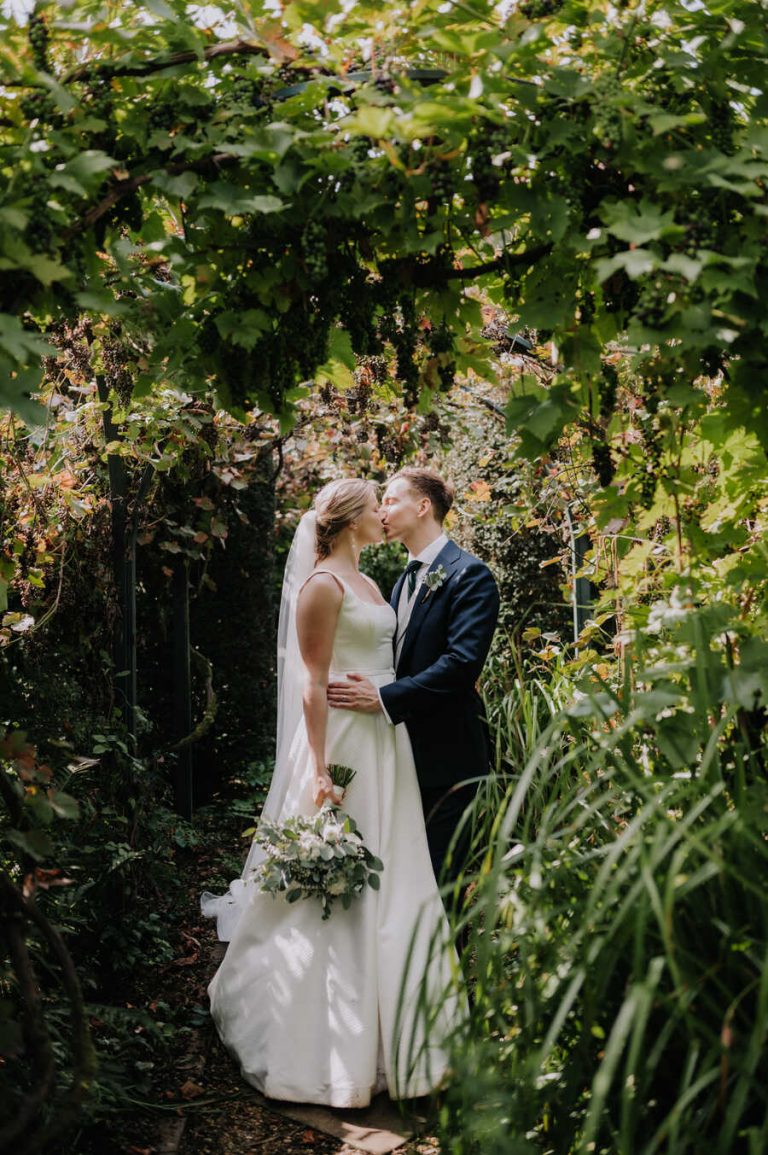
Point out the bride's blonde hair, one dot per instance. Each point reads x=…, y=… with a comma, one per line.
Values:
x=336, y=505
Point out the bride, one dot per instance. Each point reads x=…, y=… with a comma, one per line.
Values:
x=333, y=1011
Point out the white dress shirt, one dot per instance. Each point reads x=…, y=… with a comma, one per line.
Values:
x=405, y=604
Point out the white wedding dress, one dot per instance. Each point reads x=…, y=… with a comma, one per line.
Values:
x=333, y=1011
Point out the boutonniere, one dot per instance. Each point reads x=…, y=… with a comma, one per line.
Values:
x=433, y=580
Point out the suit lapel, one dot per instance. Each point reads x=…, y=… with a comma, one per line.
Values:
x=394, y=601
x=448, y=557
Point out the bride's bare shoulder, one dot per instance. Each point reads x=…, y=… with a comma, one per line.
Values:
x=322, y=586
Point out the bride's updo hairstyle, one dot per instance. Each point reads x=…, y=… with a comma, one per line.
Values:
x=337, y=505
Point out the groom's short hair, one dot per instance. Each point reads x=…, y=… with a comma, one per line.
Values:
x=429, y=484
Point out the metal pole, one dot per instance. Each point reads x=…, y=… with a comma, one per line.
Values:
x=182, y=689
x=580, y=591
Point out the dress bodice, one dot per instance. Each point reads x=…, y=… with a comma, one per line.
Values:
x=364, y=634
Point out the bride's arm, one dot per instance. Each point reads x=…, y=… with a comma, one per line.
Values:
x=317, y=613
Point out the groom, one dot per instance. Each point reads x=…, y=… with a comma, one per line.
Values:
x=447, y=604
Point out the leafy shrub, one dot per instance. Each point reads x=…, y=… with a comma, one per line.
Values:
x=618, y=939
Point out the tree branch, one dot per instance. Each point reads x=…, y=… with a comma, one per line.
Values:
x=36, y=1037
x=211, y=705
x=123, y=188
x=102, y=69
x=432, y=273
x=82, y=1046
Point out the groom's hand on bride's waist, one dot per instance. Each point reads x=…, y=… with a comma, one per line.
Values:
x=354, y=693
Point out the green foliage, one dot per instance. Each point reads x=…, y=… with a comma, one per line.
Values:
x=602, y=175
x=617, y=938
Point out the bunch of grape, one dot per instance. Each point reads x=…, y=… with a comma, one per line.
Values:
x=359, y=397
x=651, y=305
x=443, y=183
x=39, y=231
x=586, y=308
x=115, y=356
x=131, y=213
x=375, y=367
x=162, y=116
x=485, y=174
x=100, y=105
x=39, y=106
x=356, y=306
x=309, y=340
x=607, y=122
x=651, y=465
x=602, y=463
x=713, y=360
x=539, y=9
x=208, y=336
x=402, y=332
x=314, y=243
x=668, y=96
x=722, y=124
x=27, y=556
x=39, y=41
x=387, y=444
x=440, y=341
x=608, y=386
x=247, y=92
x=701, y=228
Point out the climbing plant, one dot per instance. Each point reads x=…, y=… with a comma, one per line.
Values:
x=261, y=195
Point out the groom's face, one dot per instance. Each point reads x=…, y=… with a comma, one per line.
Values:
x=402, y=509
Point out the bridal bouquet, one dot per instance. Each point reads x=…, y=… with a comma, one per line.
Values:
x=323, y=856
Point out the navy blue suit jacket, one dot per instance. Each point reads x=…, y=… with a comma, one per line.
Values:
x=446, y=643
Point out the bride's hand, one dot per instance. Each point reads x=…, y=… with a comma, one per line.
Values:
x=324, y=789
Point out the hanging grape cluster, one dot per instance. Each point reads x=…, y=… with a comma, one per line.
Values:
x=539, y=9
x=651, y=305
x=116, y=358
x=608, y=386
x=487, y=176
x=607, y=123
x=39, y=106
x=39, y=41
x=162, y=114
x=652, y=447
x=100, y=105
x=443, y=182
x=439, y=343
x=400, y=329
x=722, y=124
x=356, y=308
x=248, y=92
x=602, y=462
x=602, y=459
x=39, y=233
x=314, y=246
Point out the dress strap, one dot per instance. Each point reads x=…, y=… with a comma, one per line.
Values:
x=339, y=580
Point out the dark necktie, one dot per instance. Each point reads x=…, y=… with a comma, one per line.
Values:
x=411, y=570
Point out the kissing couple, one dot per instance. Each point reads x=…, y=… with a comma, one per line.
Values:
x=332, y=1011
